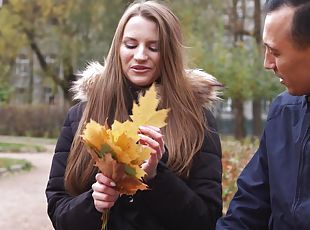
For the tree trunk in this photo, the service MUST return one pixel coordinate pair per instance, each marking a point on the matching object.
(257, 106)
(30, 86)
(235, 20)
(257, 118)
(64, 84)
(239, 131)
(68, 78)
(257, 21)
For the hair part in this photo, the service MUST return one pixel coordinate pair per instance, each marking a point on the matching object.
(300, 30)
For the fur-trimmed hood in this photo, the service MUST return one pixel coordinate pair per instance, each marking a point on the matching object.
(205, 86)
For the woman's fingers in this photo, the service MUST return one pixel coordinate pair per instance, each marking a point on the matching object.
(101, 188)
(105, 180)
(150, 166)
(104, 194)
(151, 131)
(103, 201)
(104, 197)
(146, 140)
(153, 137)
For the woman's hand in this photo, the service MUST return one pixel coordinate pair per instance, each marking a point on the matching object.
(152, 137)
(103, 193)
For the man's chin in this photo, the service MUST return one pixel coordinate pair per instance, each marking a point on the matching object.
(295, 93)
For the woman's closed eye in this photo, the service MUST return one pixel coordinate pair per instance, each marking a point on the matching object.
(153, 48)
(130, 46)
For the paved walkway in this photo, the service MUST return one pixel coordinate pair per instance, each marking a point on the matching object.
(22, 195)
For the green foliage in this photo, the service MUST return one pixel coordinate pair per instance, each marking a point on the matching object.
(5, 90)
(240, 68)
(238, 65)
(264, 84)
(200, 23)
(72, 30)
(79, 31)
(11, 41)
(10, 38)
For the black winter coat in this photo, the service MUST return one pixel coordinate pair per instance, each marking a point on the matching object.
(171, 203)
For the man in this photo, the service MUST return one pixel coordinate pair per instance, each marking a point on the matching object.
(274, 188)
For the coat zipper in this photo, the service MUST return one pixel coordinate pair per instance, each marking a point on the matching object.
(300, 173)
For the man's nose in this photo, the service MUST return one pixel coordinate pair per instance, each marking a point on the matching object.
(269, 62)
(140, 54)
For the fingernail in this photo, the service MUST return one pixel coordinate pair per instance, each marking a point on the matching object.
(112, 184)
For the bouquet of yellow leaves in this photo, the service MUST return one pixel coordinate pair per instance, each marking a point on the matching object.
(117, 151)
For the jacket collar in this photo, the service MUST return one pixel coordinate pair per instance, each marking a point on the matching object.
(205, 86)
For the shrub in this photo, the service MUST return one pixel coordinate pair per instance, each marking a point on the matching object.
(31, 120)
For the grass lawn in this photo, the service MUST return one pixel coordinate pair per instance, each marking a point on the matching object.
(28, 140)
(20, 147)
(7, 163)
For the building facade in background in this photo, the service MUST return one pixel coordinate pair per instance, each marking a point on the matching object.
(30, 85)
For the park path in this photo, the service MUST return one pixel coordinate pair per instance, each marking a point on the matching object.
(22, 195)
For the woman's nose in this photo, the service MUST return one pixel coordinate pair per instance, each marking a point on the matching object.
(140, 54)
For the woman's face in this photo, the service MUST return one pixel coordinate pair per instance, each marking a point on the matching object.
(139, 51)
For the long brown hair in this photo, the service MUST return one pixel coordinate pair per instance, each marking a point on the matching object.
(185, 131)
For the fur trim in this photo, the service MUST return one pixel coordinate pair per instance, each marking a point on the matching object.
(86, 78)
(205, 86)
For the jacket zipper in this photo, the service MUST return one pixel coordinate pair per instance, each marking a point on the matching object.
(300, 173)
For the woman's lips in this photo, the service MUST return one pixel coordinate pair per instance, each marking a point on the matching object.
(140, 69)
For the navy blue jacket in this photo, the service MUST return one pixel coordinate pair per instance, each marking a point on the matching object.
(274, 188)
(171, 203)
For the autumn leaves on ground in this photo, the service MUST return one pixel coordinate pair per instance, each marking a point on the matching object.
(236, 155)
(22, 190)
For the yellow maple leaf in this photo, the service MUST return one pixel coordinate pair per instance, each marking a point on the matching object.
(145, 112)
(136, 152)
(95, 135)
(139, 172)
(129, 128)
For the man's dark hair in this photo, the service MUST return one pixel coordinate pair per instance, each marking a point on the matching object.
(301, 19)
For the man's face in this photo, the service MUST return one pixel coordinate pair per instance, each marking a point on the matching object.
(289, 63)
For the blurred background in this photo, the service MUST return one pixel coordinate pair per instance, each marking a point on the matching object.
(43, 44)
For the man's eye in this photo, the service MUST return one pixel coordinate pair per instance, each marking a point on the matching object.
(273, 53)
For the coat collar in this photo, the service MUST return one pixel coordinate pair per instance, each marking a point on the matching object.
(205, 86)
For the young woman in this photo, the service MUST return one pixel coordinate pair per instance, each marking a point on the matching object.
(184, 171)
